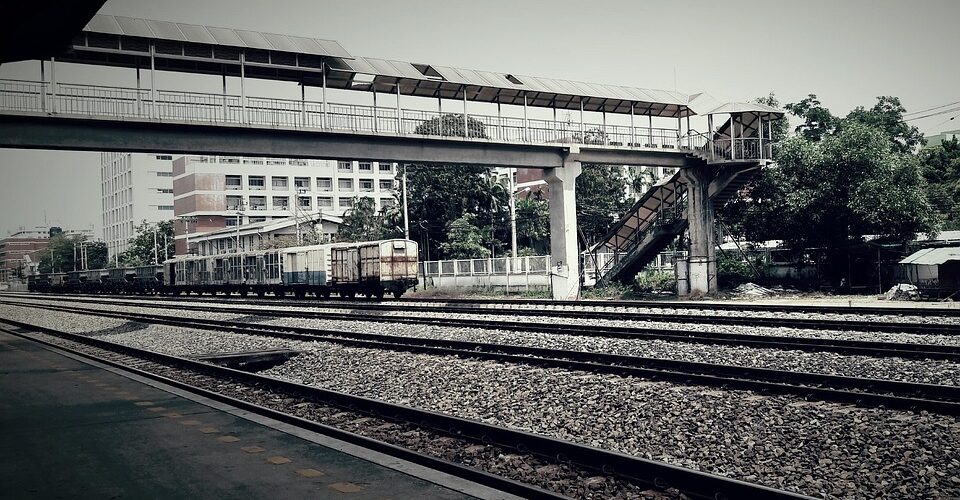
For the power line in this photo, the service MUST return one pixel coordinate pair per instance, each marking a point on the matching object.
(930, 109)
(938, 113)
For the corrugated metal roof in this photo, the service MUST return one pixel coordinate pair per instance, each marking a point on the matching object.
(166, 30)
(744, 107)
(932, 256)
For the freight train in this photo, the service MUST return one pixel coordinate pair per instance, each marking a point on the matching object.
(372, 269)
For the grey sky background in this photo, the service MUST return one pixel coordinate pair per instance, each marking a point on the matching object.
(848, 52)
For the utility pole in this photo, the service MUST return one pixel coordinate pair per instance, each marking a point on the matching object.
(406, 214)
(156, 257)
(513, 214)
(74, 255)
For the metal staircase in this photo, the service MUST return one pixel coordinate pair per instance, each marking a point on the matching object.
(660, 215)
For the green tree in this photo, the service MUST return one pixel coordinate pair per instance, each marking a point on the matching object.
(147, 244)
(941, 169)
(887, 115)
(829, 193)
(533, 225)
(437, 195)
(362, 223)
(65, 253)
(465, 240)
(601, 199)
(818, 121)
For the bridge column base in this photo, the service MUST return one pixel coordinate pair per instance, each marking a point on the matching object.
(701, 264)
(564, 250)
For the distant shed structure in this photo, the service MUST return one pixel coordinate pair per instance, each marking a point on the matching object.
(934, 270)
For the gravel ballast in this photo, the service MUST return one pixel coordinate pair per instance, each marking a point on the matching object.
(926, 371)
(822, 449)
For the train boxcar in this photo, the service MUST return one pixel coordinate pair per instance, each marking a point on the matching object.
(371, 268)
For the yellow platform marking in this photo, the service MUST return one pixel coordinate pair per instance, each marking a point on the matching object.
(253, 449)
(278, 460)
(190, 422)
(346, 487)
(228, 439)
(156, 409)
(209, 430)
(144, 403)
(309, 473)
(172, 414)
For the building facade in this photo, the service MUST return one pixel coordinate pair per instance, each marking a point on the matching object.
(134, 188)
(21, 251)
(215, 192)
(935, 140)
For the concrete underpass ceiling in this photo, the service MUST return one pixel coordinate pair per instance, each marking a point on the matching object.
(40, 29)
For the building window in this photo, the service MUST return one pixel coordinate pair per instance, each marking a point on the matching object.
(164, 157)
(258, 203)
(234, 182)
(386, 184)
(324, 184)
(365, 166)
(386, 166)
(366, 185)
(257, 219)
(299, 163)
(164, 207)
(324, 202)
(281, 202)
(345, 184)
(344, 166)
(231, 221)
(301, 183)
(164, 174)
(303, 202)
(164, 191)
(257, 182)
(234, 202)
(387, 203)
(345, 202)
(280, 183)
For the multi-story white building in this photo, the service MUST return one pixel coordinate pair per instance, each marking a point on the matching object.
(135, 188)
(214, 192)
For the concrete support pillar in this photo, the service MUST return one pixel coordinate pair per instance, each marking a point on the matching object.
(702, 261)
(564, 250)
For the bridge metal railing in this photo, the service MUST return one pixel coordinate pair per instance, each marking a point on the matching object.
(20, 96)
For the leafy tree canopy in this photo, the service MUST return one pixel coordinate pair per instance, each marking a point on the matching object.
(147, 244)
(941, 168)
(362, 223)
(601, 199)
(64, 254)
(827, 193)
(465, 240)
(533, 225)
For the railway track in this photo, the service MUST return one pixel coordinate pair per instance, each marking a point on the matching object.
(846, 347)
(885, 325)
(850, 390)
(185, 373)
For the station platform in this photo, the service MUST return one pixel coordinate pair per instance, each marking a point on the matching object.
(74, 428)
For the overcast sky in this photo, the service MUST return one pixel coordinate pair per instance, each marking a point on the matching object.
(847, 52)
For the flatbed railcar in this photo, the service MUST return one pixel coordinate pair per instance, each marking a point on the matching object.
(371, 269)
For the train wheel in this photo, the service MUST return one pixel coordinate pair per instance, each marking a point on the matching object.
(397, 294)
(243, 292)
(260, 294)
(280, 294)
(300, 293)
(380, 293)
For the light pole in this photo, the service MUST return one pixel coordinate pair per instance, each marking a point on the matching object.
(513, 214)
(406, 214)
(240, 208)
(156, 255)
(186, 229)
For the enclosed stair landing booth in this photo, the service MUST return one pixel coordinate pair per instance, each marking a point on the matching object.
(729, 156)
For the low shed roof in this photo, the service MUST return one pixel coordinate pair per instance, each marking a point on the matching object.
(932, 256)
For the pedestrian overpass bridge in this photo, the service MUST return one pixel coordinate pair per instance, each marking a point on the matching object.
(371, 108)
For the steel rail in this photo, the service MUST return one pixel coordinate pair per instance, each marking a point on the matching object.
(849, 390)
(885, 326)
(846, 347)
(649, 472)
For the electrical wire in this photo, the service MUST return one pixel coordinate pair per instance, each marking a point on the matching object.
(930, 109)
(938, 113)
